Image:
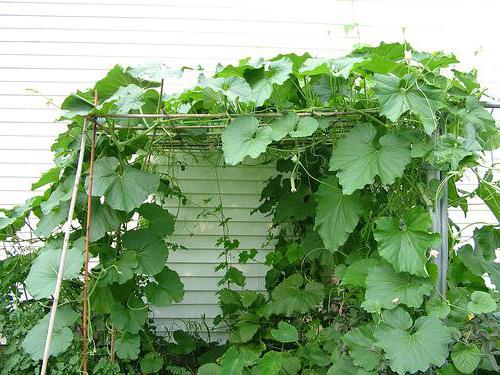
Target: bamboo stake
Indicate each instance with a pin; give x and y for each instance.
(87, 243)
(67, 231)
(319, 113)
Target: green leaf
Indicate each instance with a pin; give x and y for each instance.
(151, 363)
(243, 332)
(127, 98)
(122, 191)
(337, 214)
(77, 104)
(413, 350)
(232, 362)
(62, 336)
(345, 366)
(474, 260)
(285, 333)
(313, 353)
(234, 88)
(41, 280)
(355, 274)
(435, 60)
(358, 158)
(450, 150)
(386, 289)
(399, 95)
(487, 240)
(465, 357)
(341, 67)
(154, 71)
(49, 222)
(293, 125)
(261, 80)
(489, 194)
(167, 289)
(121, 269)
(151, 250)
(61, 194)
(103, 219)
(48, 177)
(271, 363)
(288, 297)
(209, 369)
(243, 137)
(404, 243)
(128, 346)
(131, 317)
(361, 345)
(437, 308)
(236, 276)
(116, 78)
(481, 303)
(159, 219)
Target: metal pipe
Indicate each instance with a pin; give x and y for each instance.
(60, 272)
(87, 244)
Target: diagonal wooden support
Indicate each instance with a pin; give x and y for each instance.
(60, 272)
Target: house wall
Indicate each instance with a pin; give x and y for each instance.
(50, 48)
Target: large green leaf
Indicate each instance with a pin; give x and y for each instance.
(450, 150)
(336, 214)
(41, 280)
(158, 218)
(361, 345)
(166, 289)
(127, 98)
(124, 190)
(289, 297)
(62, 336)
(262, 80)
(49, 222)
(154, 71)
(386, 288)
(293, 125)
(491, 196)
(474, 260)
(337, 67)
(116, 78)
(412, 350)
(345, 366)
(271, 363)
(355, 274)
(151, 363)
(481, 303)
(399, 95)
(103, 219)
(359, 157)
(243, 332)
(152, 252)
(128, 346)
(404, 243)
(285, 332)
(209, 369)
(465, 357)
(234, 88)
(122, 268)
(232, 362)
(61, 194)
(129, 318)
(243, 137)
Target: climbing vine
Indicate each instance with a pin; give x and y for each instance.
(351, 283)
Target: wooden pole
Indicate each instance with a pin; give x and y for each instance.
(60, 272)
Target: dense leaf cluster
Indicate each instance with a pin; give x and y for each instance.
(351, 283)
